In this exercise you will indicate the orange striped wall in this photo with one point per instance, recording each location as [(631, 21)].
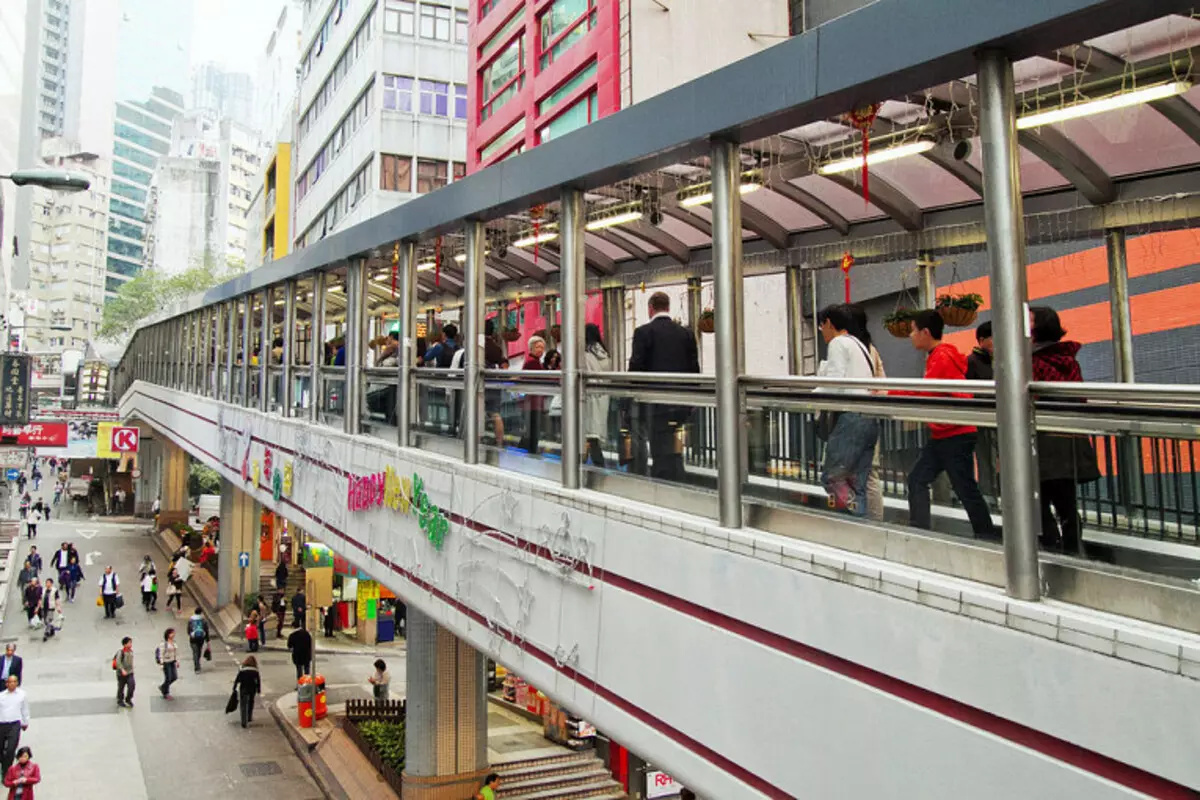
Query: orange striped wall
[(1151, 312)]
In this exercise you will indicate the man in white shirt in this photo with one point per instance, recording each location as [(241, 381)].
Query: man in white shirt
[(110, 587), (14, 718)]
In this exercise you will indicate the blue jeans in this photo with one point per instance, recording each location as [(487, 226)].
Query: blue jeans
[(848, 455)]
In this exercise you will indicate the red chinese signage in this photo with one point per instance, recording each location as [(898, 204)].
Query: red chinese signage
[(40, 434)]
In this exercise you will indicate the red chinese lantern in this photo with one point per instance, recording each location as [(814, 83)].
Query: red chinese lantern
[(847, 263), (862, 119)]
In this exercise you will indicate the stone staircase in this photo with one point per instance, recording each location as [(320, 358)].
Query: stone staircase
[(266, 582), (571, 776)]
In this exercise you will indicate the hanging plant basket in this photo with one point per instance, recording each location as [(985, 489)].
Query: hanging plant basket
[(511, 335), (707, 321), (900, 322), (959, 310)]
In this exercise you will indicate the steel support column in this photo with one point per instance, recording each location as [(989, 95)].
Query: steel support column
[(927, 275), (614, 326), (794, 283), (408, 341), (573, 276), (289, 348), (230, 349), (315, 388), (727, 289), (355, 332), (1128, 463), (695, 309), (472, 338), (1015, 421), (244, 347), (264, 348)]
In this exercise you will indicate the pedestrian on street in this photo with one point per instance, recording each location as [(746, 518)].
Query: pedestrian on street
[(280, 609), (26, 501), (281, 577), (35, 560), (174, 589), (263, 613), (74, 576), (31, 522), (149, 589), (59, 560), (25, 575), (22, 776), (167, 657), (491, 784), (247, 684), (301, 645), (252, 632), (380, 681), (197, 629), (110, 587), (299, 606), (156, 509), (330, 621), (11, 664), (14, 718), (51, 609), (123, 664), (32, 601)]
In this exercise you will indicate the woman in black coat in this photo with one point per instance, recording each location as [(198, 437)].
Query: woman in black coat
[(247, 684)]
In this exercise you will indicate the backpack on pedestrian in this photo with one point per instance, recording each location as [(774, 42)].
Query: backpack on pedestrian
[(196, 631)]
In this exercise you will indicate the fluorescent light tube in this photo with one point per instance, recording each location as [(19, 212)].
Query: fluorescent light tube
[(615, 219), (1135, 97), (541, 238), (878, 157), (428, 265), (707, 197)]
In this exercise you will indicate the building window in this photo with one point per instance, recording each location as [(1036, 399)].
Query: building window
[(576, 116), (504, 140), (460, 101), (398, 93), (435, 22), (562, 27), (499, 74), (395, 173), (431, 175), (564, 91), (500, 37), (460, 25), (400, 16), (460, 170), (435, 98)]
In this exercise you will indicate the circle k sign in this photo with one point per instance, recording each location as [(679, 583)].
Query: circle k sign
[(124, 440)]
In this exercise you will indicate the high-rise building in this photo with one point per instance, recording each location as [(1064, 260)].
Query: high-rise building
[(383, 108), (202, 193), (278, 71), (228, 94), (142, 135), (52, 85), (542, 69)]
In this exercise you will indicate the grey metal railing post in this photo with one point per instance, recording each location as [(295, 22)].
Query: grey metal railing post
[(356, 316), (1015, 421), (614, 326), (1122, 336), (472, 318), (573, 276), (405, 356), (289, 347), (212, 342), (695, 308), (727, 290), (316, 390), (794, 283), (266, 297)]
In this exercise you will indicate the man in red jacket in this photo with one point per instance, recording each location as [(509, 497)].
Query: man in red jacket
[(951, 448)]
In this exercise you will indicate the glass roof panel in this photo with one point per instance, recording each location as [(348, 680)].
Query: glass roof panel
[(925, 183), (1150, 39), (847, 203), (1133, 140), (784, 211), (684, 232)]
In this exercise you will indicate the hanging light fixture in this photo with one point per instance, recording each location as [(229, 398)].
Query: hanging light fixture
[(878, 157), (461, 258), (428, 265), (704, 193), (1134, 97), (609, 220), (540, 238)]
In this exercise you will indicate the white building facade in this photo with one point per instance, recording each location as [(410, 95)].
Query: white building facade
[(382, 111)]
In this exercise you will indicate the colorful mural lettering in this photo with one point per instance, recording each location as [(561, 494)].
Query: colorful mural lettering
[(388, 489)]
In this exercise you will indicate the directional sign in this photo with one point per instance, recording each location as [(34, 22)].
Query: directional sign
[(243, 559), (12, 474), (125, 440)]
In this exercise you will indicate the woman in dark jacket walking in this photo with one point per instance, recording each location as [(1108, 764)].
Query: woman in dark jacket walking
[(1063, 460), (247, 684)]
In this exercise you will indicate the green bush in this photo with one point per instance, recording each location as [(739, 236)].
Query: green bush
[(202, 480), (388, 740), (251, 603)]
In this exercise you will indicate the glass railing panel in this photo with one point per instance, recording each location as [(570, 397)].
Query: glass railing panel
[(255, 378), (275, 390), (378, 417), (302, 391), (332, 398), (522, 413), (438, 407)]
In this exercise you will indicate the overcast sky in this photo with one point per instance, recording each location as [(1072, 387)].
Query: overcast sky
[(233, 33)]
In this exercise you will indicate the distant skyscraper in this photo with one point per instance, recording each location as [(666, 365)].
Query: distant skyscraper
[(228, 94)]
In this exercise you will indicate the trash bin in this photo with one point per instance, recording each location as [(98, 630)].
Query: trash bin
[(304, 701), (320, 707)]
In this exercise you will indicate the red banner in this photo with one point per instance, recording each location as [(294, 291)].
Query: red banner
[(40, 434)]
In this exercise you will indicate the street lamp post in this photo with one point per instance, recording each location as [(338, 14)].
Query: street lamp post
[(61, 179)]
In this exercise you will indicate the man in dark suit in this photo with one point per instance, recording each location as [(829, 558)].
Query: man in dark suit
[(11, 664), (661, 345)]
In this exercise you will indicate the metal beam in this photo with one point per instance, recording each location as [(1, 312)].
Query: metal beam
[(527, 268), (758, 222), (597, 261), (811, 203), (1053, 147), (660, 239), (623, 243), (888, 199), (688, 218)]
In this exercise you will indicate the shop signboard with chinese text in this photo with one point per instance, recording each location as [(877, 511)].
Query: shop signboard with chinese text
[(38, 434), (14, 388)]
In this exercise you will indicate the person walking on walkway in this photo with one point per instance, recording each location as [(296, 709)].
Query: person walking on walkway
[(595, 418), (123, 664), (25, 576), (281, 577), (299, 606), (330, 620), (110, 587), (951, 448), (167, 657), (263, 613), (59, 560), (279, 606), (148, 587), (74, 576), (11, 663), (197, 628), (22, 776), (979, 368), (533, 404), (31, 522), (491, 785), (26, 501), (380, 681), (51, 609), (14, 718), (35, 560), (174, 589), (251, 632), (32, 601), (301, 644), (247, 684)]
